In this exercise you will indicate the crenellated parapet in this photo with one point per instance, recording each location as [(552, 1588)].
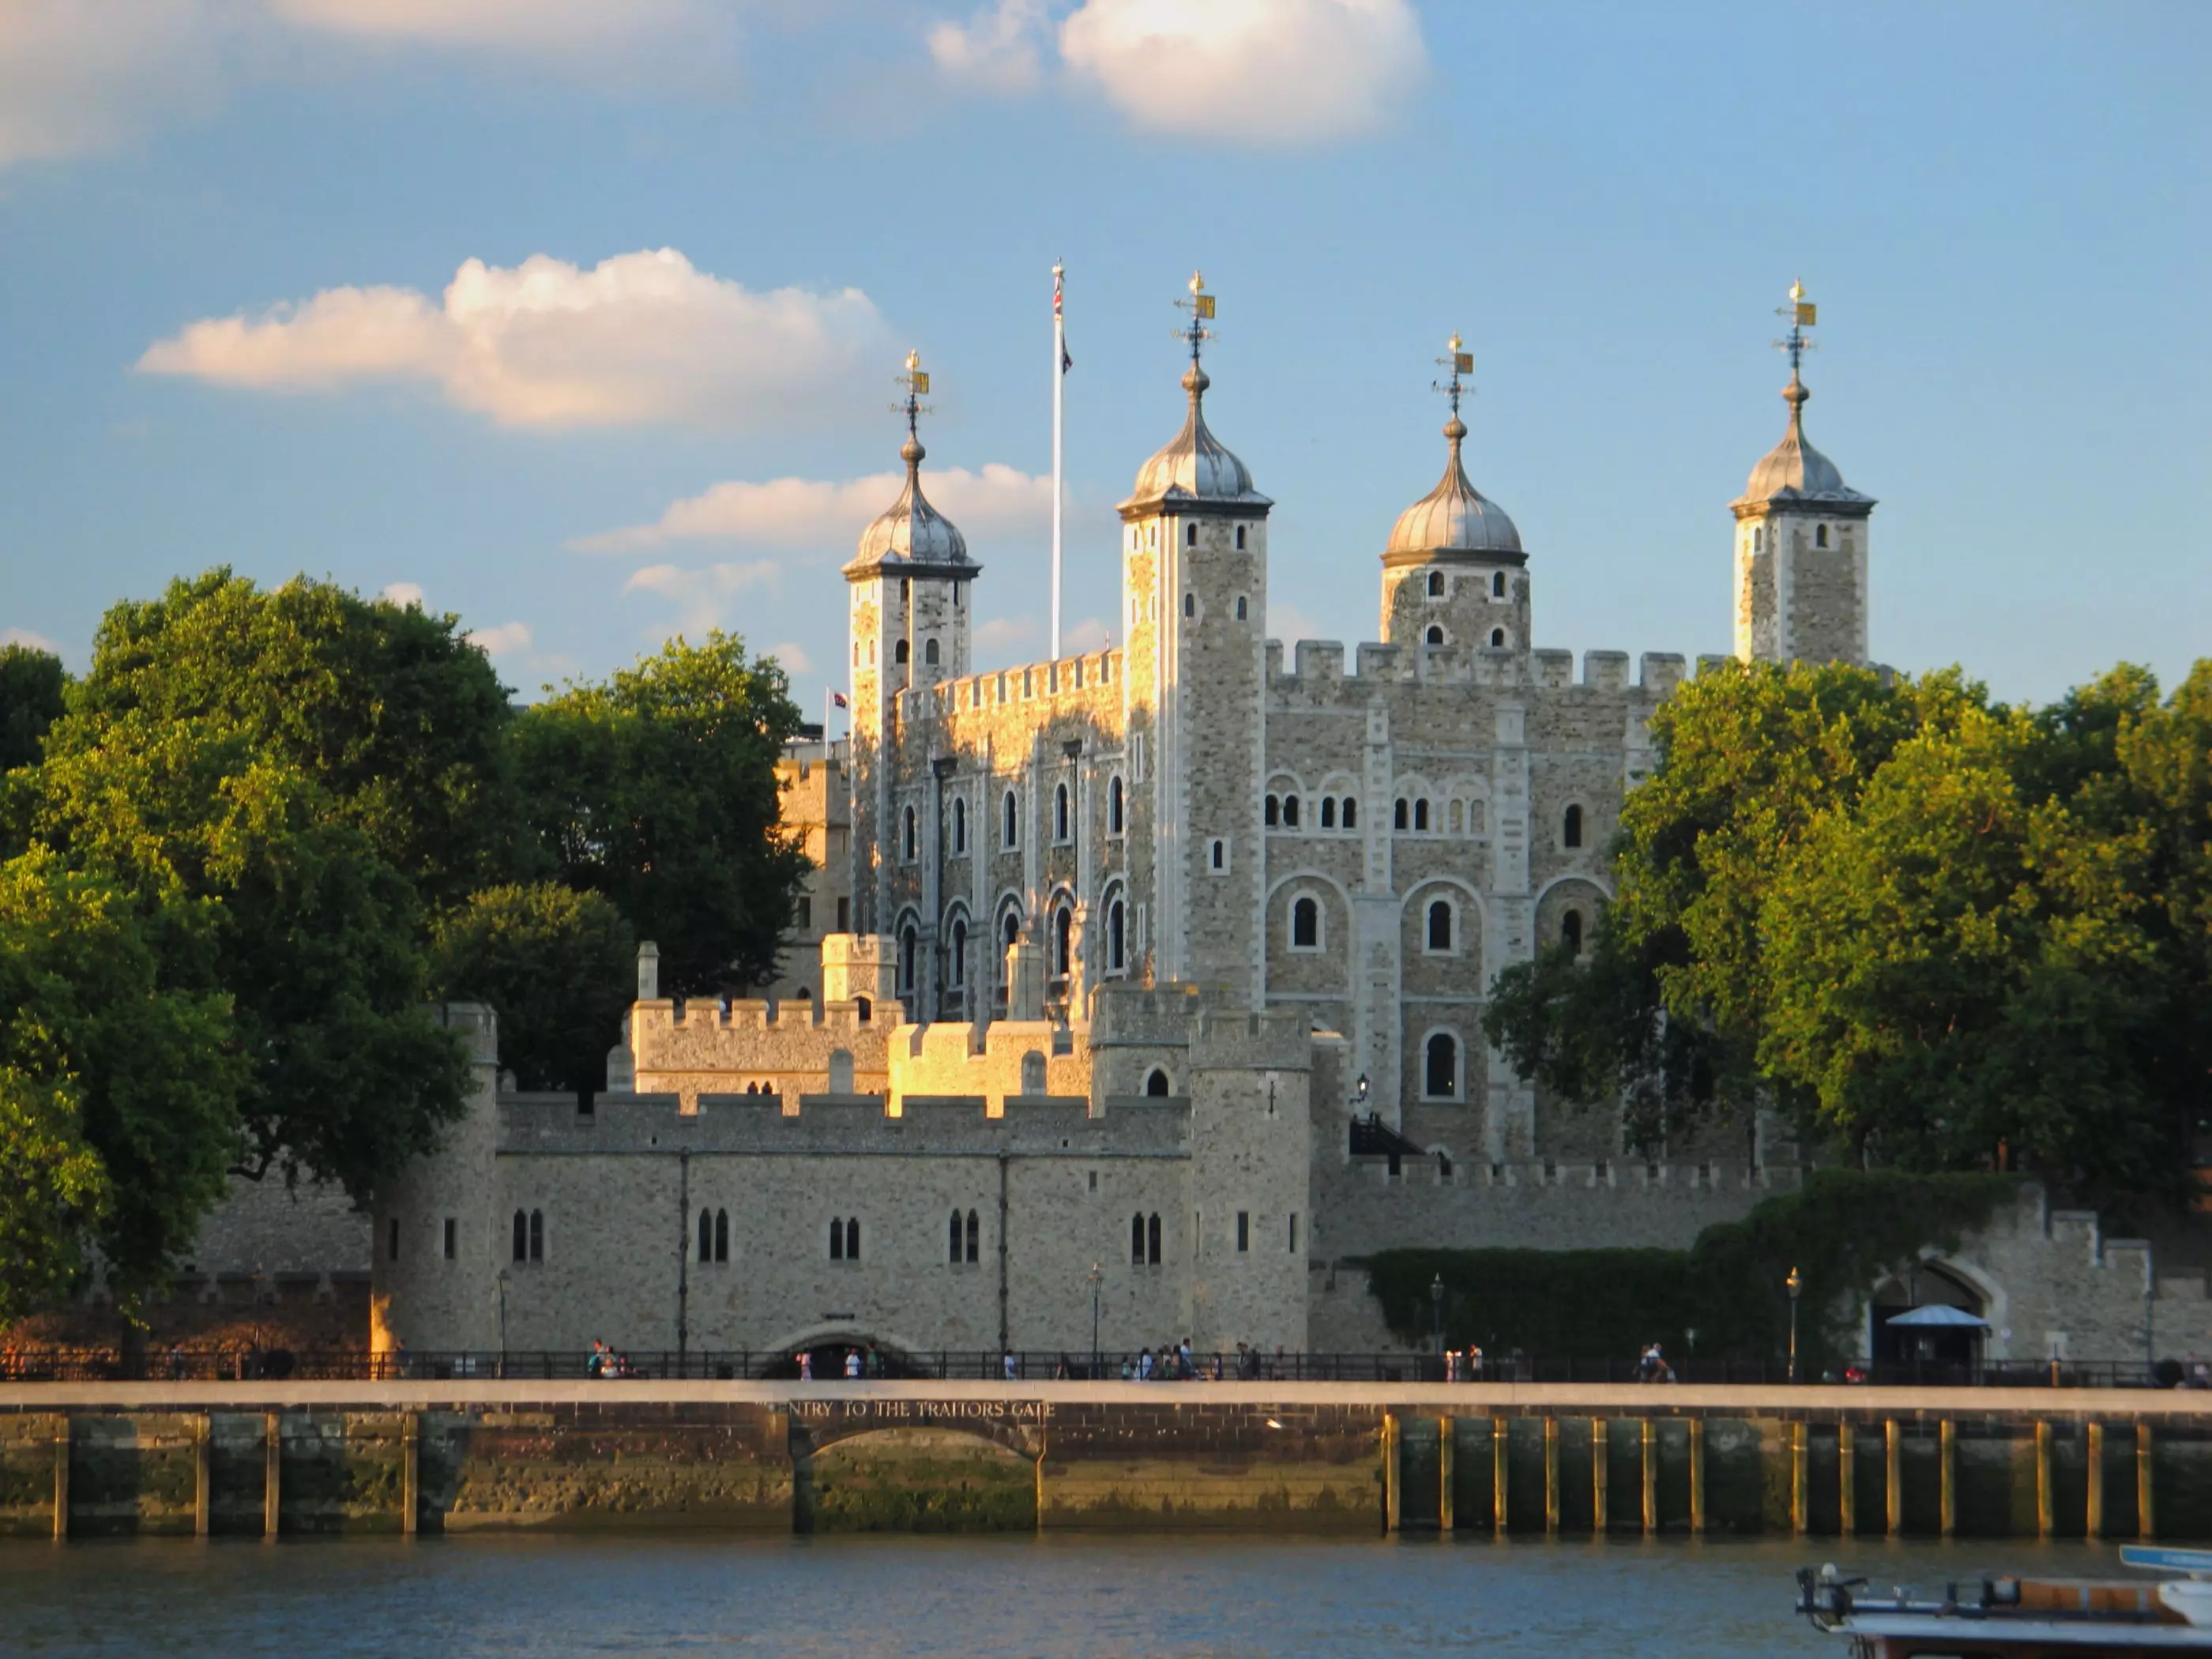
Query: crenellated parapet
[(1320, 663)]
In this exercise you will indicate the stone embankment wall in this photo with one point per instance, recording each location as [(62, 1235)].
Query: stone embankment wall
[(188, 1459)]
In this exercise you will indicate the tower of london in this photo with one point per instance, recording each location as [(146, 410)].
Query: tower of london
[(1144, 985)]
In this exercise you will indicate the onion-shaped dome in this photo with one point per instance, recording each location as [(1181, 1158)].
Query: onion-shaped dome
[(911, 531), (1195, 466), (1793, 469), (1454, 519)]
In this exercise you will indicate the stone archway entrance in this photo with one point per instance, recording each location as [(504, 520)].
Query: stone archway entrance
[(1947, 1348), (870, 1465)]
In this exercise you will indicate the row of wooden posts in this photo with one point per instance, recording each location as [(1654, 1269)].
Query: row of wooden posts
[(1800, 1476), (272, 1474)]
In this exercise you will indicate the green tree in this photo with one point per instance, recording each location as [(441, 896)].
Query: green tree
[(658, 790), (119, 1097), (556, 964), (287, 767), (1668, 1011), (32, 686)]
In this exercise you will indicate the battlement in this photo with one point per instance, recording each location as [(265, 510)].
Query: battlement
[(1702, 1181), (1063, 678), (1320, 663), (825, 1124)]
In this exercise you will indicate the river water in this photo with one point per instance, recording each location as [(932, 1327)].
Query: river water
[(1036, 1598)]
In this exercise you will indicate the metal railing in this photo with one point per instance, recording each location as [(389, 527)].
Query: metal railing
[(829, 1364)]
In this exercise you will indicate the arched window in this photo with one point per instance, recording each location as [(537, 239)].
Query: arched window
[(929, 653), (899, 651), (864, 1009), (1440, 925), (1116, 936), (1440, 1079), (906, 587), (1757, 539), (1305, 924), (706, 1235), (1221, 856), (909, 942), (1435, 634), (521, 1237), (1290, 811), (1244, 613), (853, 1239), (1137, 1240), (952, 1240), (1820, 535), (1498, 638), (975, 1238), (1010, 928), (1497, 584), (1570, 828), (721, 1234), (1436, 587), (959, 963), (1240, 546), (1329, 811), (1060, 812), (1114, 805), (1011, 830), (1571, 931), (1401, 819), (959, 824), (1190, 535), (837, 1238), (1063, 927), (1190, 600), (538, 1235), (1420, 815), (1457, 817), (906, 833), (1351, 813), (1271, 811), (1155, 1084), (1152, 1239)]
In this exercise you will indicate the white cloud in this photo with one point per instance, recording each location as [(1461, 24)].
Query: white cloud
[(703, 597), (1289, 624), (80, 75), (816, 512), (25, 636), (997, 48), (639, 339), (403, 593), (503, 641), (793, 657), (1088, 634), (1251, 72), (1001, 631)]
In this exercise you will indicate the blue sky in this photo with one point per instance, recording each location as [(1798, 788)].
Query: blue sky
[(240, 321)]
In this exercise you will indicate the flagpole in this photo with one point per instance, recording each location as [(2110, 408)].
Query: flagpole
[(1058, 378)]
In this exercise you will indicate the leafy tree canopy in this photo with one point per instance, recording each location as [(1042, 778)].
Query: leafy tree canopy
[(658, 790), (32, 688), (1940, 934), (555, 965)]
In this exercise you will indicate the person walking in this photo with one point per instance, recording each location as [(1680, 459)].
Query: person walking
[(852, 1364), (806, 1366)]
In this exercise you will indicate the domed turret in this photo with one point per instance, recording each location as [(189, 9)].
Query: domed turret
[(1454, 517), (1793, 469), (1195, 466), (910, 530)]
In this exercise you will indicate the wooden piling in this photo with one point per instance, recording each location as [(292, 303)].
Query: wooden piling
[(1552, 1475), (61, 1478), (1801, 1458), (203, 1438), (2093, 1521), (2045, 1519), (1698, 1476), (1847, 1495), (411, 1493), (1392, 1498), (2146, 1510), (272, 1474), (1600, 1446), (1893, 1475), (1500, 1445), (1947, 1457), (1444, 1460), (1651, 1475)]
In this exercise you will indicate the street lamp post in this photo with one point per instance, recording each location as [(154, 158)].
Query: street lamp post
[(1796, 1285), (1437, 1303), (1096, 1278)]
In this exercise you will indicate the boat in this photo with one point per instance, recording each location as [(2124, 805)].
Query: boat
[(2022, 1618)]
